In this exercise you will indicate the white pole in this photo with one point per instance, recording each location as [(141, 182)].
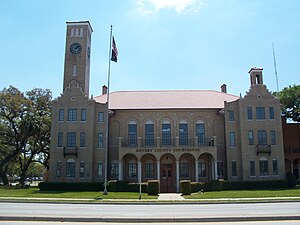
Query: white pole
[(107, 118)]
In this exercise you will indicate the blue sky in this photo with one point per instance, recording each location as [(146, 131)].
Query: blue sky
[(162, 44)]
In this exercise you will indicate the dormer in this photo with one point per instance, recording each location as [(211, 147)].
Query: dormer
[(256, 77)]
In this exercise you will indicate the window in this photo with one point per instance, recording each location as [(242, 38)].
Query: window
[(273, 137), (260, 113), (100, 170), (149, 170), (252, 168), (114, 172), (231, 115), (74, 70), (100, 140), (132, 170), (59, 139), (101, 117), (184, 170), (263, 166), (72, 115), (58, 169), (275, 168), (200, 132), (61, 113), (250, 137), (71, 139), (149, 133), (233, 169), (83, 114), (166, 133), (183, 133), (202, 169), (70, 168), (81, 169), (271, 113), (82, 139), (232, 139), (132, 134), (249, 113), (262, 137)]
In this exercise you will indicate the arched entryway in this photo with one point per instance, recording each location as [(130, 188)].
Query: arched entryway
[(205, 167), (149, 167), (130, 171), (167, 173)]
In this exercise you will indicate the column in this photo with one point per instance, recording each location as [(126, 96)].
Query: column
[(120, 170), (177, 176), (158, 170), (216, 169), (139, 171), (196, 171)]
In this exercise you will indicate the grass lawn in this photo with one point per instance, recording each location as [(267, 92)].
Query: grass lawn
[(246, 194), (34, 192)]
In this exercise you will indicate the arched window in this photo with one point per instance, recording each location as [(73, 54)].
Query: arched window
[(200, 132), (132, 169), (166, 133), (70, 168), (132, 134), (183, 133), (149, 133), (149, 169)]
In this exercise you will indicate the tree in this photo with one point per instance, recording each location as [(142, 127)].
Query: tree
[(38, 146), (290, 102), (25, 123)]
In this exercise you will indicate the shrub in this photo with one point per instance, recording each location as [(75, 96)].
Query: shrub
[(254, 185), (196, 186), (291, 180), (153, 187), (185, 187), (56, 186), (124, 186)]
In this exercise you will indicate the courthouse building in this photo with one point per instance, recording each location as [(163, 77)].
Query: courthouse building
[(200, 135)]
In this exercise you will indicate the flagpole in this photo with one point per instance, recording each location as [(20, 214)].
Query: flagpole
[(107, 118)]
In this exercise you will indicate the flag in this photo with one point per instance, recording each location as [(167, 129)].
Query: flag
[(114, 51)]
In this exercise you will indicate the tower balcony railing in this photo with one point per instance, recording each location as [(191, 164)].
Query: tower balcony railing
[(173, 142), (263, 149), (70, 151)]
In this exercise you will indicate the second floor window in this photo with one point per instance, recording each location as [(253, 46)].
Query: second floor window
[(166, 134), (72, 115), (200, 133), (60, 139), (149, 133), (100, 140), (230, 115), (250, 137), (249, 113), (132, 134), (273, 137), (232, 139), (183, 133), (271, 113)]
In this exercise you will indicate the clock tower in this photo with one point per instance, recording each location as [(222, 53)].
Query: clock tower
[(77, 54)]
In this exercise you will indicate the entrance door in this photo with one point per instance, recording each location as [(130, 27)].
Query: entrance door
[(166, 178)]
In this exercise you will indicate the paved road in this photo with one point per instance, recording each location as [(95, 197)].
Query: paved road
[(149, 212)]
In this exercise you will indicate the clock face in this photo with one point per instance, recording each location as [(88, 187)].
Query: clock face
[(75, 48)]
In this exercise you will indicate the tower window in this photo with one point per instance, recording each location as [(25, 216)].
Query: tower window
[(231, 115), (258, 80), (74, 70), (260, 113)]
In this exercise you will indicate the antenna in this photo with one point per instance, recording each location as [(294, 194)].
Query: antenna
[(275, 67)]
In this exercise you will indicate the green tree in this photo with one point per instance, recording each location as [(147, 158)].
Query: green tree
[(25, 123), (290, 102), (14, 106)]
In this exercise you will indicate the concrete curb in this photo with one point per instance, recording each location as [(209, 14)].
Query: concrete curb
[(150, 220)]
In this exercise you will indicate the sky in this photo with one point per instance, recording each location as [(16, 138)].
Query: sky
[(162, 44)]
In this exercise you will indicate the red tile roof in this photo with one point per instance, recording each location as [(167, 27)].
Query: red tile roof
[(183, 99)]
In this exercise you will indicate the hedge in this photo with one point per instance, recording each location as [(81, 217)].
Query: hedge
[(56, 186), (153, 187), (124, 186), (185, 187)]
